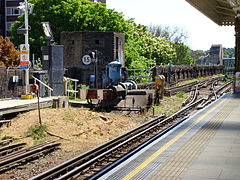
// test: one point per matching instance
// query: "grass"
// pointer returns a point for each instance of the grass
(196, 79)
(69, 116)
(37, 132)
(38, 141)
(181, 94)
(7, 137)
(170, 105)
(84, 87)
(187, 82)
(77, 99)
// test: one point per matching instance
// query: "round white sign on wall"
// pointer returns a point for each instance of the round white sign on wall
(86, 59)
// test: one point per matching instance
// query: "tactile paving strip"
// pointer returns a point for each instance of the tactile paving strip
(135, 161)
(176, 166)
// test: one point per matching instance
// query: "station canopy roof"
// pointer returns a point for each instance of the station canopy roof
(222, 12)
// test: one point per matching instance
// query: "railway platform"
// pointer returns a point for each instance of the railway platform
(16, 105)
(204, 146)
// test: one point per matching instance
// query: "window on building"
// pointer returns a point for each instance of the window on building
(13, 11)
(8, 25)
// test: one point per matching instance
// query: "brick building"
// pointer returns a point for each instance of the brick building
(77, 45)
(9, 14)
(216, 54)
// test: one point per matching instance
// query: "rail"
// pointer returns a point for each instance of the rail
(139, 74)
(50, 89)
(21, 156)
(96, 162)
(68, 91)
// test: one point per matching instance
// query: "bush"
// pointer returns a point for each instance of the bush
(37, 132)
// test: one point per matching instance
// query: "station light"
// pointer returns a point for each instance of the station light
(47, 31)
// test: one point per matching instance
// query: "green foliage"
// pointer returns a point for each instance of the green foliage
(9, 56)
(150, 49)
(181, 94)
(7, 137)
(67, 15)
(69, 116)
(142, 49)
(169, 105)
(84, 86)
(175, 34)
(196, 54)
(37, 132)
(38, 141)
(183, 55)
(227, 52)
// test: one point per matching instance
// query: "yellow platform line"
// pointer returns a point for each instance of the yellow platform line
(167, 145)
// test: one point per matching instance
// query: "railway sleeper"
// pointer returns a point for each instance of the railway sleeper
(6, 142)
(26, 156)
(11, 148)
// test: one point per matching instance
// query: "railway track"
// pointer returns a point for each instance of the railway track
(188, 87)
(15, 158)
(10, 148)
(6, 142)
(96, 162)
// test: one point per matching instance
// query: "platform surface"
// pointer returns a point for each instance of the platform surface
(18, 105)
(205, 146)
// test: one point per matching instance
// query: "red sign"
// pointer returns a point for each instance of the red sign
(24, 62)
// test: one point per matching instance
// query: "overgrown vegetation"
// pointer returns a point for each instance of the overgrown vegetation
(7, 137)
(9, 56)
(181, 94)
(37, 132)
(170, 105)
(69, 116)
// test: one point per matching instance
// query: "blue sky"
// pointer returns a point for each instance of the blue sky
(202, 32)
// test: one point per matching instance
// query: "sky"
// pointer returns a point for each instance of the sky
(202, 32)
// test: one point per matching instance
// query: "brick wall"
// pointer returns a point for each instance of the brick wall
(109, 46)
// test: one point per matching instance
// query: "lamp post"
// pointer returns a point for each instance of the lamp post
(26, 21)
(26, 43)
(27, 8)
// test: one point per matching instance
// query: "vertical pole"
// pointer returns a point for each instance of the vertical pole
(96, 69)
(26, 42)
(26, 21)
(5, 19)
(33, 60)
(237, 49)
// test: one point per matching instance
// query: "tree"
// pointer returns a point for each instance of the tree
(183, 55)
(174, 34)
(67, 15)
(142, 49)
(9, 56)
(150, 49)
(197, 54)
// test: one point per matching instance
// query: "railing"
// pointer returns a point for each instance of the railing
(49, 88)
(68, 91)
(139, 74)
